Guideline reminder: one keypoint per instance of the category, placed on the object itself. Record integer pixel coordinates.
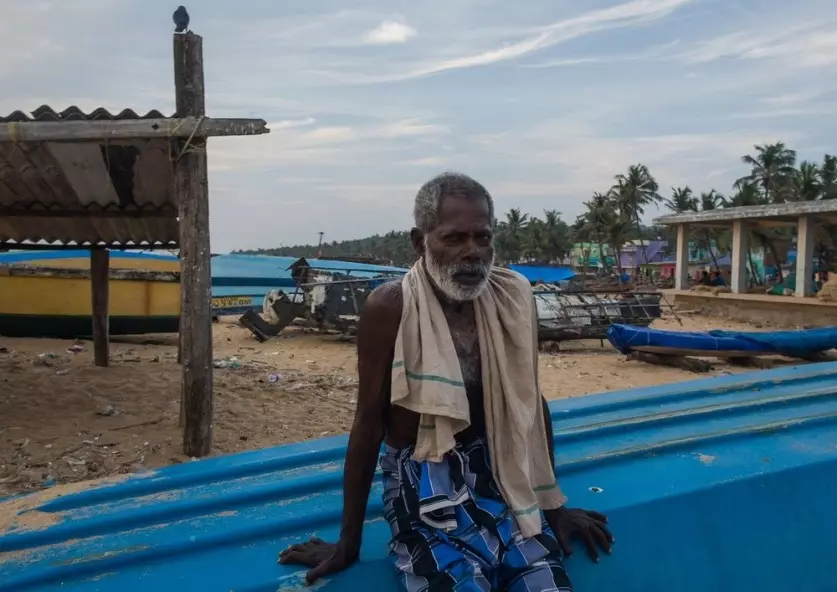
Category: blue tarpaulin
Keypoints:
(550, 275)
(794, 344)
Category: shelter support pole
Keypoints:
(100, 285)
(681, 261)
(195, 282)
(740, 248)
(804, 256)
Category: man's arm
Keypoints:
(376, 334)
(377, 330)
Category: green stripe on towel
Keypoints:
(428, 377)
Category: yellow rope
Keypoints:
(14, 131)
(187, 147)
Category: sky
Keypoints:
(542, 101)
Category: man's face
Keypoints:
(459, 252)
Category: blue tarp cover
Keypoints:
(795, 344)
(549, 275)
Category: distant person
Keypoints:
(705, 280)
(470, 493)
(718, 279)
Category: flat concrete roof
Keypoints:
(767, 215)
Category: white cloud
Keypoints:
(653, 53)
(428, 161)
(622, 15)
(291, 123)
(807, 45)
(297, 141)
(389, 32)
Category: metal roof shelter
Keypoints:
(784, 214)
(96, 180)
(804, 215)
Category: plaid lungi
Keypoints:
(451, 529)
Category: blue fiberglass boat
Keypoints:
(794, 344)
(720, 484)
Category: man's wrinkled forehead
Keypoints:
(464, 211)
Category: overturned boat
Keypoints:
(701, 481)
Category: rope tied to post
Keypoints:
(187, 145)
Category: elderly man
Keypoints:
(447, 363)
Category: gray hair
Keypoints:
(448, 184)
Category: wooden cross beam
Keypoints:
(125, 129)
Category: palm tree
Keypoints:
(558, 238)
(598, 217)
(633, 193)
(708, 202)
(681, 200)
(534, 240)
(828, 177)
(772, 168)
(747, 194)
(510, 236)
(807, 185)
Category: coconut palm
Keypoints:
(681, 200)
(510, 235)
(633, 193)
(828, 177)
(807, 183)
(772, 169)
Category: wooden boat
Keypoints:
(701, 481)
(47, 294)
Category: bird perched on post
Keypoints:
(181, 19)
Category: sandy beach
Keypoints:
(63, 420)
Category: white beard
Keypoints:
(443, 277)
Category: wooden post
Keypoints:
(100, 284)
(195, 281)
(681, 258)
(740, 249)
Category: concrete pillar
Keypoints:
(738, 273)
(681, 261)
(804, 256)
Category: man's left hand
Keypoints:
(589, 526)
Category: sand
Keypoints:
(63, 420)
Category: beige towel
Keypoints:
(427, 379)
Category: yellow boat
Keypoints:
(48, 294)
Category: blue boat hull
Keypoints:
(795, 344)
(719, 484)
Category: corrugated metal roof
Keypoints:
(73, 113)
(352, 268)
(111, 192)
(246, 270)
(757, 451)
(543, 273)
(24, 256)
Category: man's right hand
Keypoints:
(323, 558)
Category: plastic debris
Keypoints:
(227, 363)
